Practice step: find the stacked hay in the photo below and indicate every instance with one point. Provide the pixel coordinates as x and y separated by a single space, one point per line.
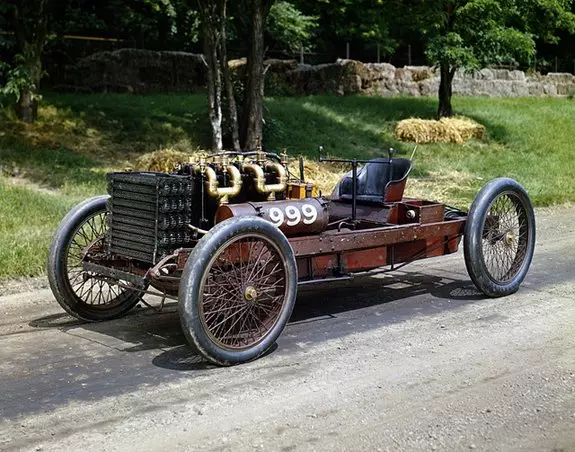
164 160
324 175
137 71
446 130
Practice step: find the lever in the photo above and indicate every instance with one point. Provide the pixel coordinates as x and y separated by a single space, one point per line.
390 152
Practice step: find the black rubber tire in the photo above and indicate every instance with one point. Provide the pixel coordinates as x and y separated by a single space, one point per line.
475 235
191 285
57 268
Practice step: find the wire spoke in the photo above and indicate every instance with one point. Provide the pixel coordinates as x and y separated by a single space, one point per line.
88 288
243 291
505 237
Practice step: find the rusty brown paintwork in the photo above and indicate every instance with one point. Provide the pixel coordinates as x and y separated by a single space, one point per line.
263 210
373 238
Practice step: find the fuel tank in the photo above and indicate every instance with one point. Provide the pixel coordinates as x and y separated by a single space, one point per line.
293 217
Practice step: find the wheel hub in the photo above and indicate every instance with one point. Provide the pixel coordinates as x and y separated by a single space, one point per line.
509 239
250 293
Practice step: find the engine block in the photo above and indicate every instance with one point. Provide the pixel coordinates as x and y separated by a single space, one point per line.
151 215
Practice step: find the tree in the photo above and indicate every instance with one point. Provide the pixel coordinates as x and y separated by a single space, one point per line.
366 23
253 108
29 19
470 34
213 17
288 28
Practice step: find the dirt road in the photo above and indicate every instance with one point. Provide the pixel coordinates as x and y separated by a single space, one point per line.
413 361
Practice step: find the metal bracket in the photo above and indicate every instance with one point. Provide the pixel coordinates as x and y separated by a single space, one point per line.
139 282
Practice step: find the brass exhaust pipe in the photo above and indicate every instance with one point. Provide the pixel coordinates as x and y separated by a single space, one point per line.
212 184
260 178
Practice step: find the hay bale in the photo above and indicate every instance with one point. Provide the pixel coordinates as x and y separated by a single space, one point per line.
446 130
164 160
137 71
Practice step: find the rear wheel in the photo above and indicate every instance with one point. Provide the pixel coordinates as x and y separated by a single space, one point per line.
238 290
499 237
81 293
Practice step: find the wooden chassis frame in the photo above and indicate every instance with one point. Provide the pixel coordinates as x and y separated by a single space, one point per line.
336 253
341 253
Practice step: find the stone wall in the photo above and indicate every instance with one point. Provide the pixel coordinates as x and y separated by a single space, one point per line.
136 71
351 77
144 71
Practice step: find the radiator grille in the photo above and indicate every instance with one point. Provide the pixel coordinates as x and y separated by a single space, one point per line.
149 214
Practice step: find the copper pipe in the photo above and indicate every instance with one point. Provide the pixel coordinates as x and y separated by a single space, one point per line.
212 186
260 178
281 174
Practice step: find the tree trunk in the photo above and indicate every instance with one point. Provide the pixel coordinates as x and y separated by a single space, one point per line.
232 107
27 107
211 43
252 121
30 22
445 91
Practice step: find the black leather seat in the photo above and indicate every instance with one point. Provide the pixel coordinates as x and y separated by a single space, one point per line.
374 180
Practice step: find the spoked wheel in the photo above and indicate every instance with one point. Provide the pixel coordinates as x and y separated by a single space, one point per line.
238 290
499 238
83 294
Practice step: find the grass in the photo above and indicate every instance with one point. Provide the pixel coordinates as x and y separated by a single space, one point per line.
47 167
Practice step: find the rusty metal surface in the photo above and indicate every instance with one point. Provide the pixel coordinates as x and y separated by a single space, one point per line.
338 210
420 212
138 282
294 217
356 261
373 238
394 190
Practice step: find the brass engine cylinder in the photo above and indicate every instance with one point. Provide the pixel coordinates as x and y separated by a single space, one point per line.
293 217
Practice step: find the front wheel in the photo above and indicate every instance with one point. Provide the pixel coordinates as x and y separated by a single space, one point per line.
83 294
237 290
499 237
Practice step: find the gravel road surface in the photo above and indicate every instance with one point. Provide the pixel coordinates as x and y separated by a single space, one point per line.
417 360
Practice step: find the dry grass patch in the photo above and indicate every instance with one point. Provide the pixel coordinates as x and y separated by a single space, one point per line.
54 129
163 160
446 130
324 175
448 186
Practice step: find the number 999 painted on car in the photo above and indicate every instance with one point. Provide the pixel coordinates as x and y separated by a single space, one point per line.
292 217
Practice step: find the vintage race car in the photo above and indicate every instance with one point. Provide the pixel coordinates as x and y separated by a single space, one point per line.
231 236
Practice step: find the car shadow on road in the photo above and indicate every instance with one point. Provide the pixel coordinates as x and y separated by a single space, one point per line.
147 330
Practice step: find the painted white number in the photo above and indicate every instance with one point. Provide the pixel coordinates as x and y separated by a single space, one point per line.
276 216
293 215
309 214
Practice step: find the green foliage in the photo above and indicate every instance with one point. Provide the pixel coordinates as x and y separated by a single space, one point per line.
289 27
476 33
366 22
543 18
19 79
451 49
